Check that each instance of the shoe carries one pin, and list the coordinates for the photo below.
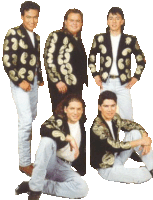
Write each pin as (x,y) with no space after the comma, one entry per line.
(34,195)
(27,170)
(151,172)
(135,157)
(22,188)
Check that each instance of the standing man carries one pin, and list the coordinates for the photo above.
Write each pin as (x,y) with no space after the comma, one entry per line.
(22,64)
(115,50)
(108,154)
(63,144)
(65,59)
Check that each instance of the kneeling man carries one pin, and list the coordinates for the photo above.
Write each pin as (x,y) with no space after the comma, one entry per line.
(108,154)
(62,145)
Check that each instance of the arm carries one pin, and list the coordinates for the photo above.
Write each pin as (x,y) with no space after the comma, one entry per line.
(92,62)
(53,59)
(53,128)
(10,56)
(73,145)
(140,60)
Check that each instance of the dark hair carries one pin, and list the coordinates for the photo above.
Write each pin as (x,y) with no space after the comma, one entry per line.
(65,103)
(29,5)
(76,11)
(107,95)
(114,11)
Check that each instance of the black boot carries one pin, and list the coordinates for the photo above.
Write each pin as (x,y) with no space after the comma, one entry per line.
(22,188)
(34,195)
(135,157)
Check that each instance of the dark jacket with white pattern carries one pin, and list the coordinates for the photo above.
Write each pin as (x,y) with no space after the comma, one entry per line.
(65,60)
(20,58)
(102,144)
(57,129)
(128,44)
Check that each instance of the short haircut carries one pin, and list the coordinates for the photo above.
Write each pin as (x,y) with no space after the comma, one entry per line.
(115,10)
(65,103)
(27,5)
(76,11)
(106,95)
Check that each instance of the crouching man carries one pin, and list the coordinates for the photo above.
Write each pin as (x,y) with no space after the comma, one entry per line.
(62,144)
(108,154)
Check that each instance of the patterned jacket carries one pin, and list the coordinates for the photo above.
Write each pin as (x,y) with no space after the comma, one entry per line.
(65,59)
(20,57)
(102,144)
(57,129)
(128,45)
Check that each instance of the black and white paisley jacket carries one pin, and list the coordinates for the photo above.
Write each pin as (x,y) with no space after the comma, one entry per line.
(57,129)
(102,144)
(128,45)
(21,60)
(65,59)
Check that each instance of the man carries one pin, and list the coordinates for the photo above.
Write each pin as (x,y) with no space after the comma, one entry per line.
(108,154)
(63,143)
(115,50)
(65,59)
(22,64)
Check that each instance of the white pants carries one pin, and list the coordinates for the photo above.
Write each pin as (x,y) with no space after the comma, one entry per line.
(119,173)
(53,176)
(26,104)
(123,97)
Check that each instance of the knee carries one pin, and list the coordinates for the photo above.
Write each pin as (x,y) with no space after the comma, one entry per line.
(133,135)
(48,142)
(81,188)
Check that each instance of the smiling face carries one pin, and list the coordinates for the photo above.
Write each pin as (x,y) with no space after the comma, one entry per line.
(74,111)
(74,23)
(30,19)
(115,23)
(108,109)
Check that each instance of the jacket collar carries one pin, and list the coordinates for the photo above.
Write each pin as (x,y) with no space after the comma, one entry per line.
(28,40)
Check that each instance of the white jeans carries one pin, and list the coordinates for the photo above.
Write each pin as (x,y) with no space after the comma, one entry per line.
(53,176)
(119,173)
(123,97)
(26,104)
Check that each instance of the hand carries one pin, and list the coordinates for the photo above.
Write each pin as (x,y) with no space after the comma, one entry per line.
(62,87)
(25,86)
(98,81)
(73,145)
(131,83)
(145,149)
(146,141)
(41,84)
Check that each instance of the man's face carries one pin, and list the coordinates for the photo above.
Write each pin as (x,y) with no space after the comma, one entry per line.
(74,23)
(108,109)
(115,22)
(74,111)
(30,19)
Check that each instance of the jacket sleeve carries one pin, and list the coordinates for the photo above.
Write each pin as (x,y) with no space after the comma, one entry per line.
(10,56)
(92,56)
(53,128)
(140,59)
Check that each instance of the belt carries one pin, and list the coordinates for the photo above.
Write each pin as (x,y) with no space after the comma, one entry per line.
(68,162)
(113,76)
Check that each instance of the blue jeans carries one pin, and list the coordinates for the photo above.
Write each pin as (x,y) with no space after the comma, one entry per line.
(123,97)
(119,173)
(26,104)
(53,176)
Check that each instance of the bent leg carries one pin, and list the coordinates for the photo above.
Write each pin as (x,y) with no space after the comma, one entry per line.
(65,182)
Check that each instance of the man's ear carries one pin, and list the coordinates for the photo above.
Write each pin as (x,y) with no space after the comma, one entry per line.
(99,107)
(65,110)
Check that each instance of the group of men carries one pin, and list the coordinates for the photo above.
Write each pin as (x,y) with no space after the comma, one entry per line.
(63,137)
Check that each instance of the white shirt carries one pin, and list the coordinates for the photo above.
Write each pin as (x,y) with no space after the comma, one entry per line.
(111,128)
(115,43)
(31,35)
(65,152)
